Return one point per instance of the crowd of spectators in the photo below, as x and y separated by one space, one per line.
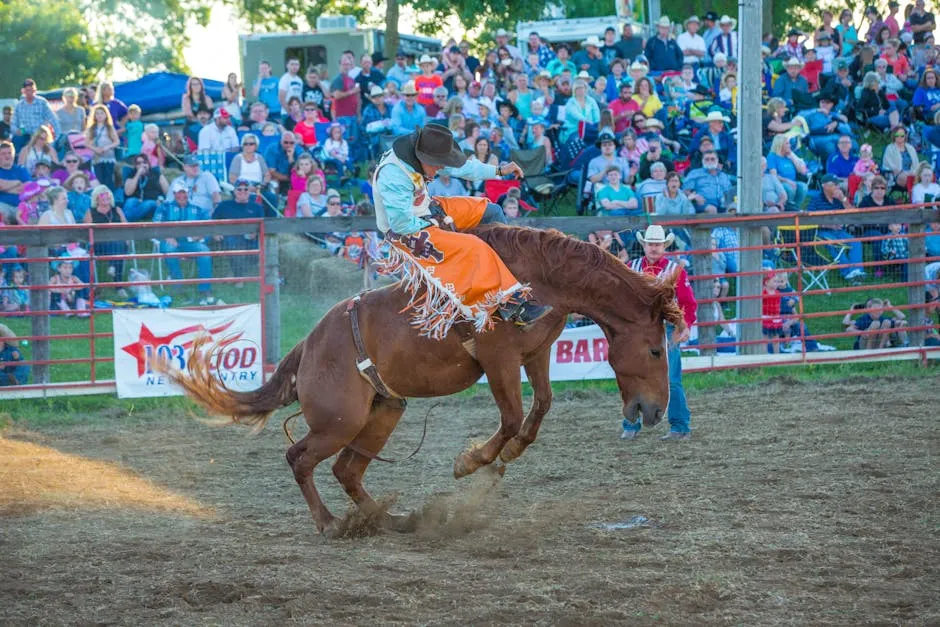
637 125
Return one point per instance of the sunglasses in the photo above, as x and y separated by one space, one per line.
333 203
250 144
71 161
287 143
242 188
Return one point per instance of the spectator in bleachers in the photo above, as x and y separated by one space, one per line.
597 167
143 190
101 138
722 142
397 73
580 109
826 126
926 189
673 201
653 154
134 131
562 62
832 198
630 45
922 22
842 162
38 148
336 149
219 136
369 75
32 203
408 114
312 203
873 105
31 112
645 96
240 207
294 114
14 298
793 47
537 137
654 185
71 117
290 85
10 356
202 188
306 128
345 93
78 186
785 163
280 159
623 109
847 33
691 43
727 40
792 87
12 179
58 212
773 194
926 100
708 185
6 130
447 186
662 51
900 160
104 211
116 108
615 199
250 166
265 88
179 209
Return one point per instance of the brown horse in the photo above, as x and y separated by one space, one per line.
347 416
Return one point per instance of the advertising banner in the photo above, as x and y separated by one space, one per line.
143 335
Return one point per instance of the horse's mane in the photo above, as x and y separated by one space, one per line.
553 258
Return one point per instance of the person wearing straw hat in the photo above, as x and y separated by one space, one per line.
791 84
691 43
655 241
722 141
464 278
408 115
428 81
10 373
589 57
727 40
662 50
501 37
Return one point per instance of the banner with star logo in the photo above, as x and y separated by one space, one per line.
141 336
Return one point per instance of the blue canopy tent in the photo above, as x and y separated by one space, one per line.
159 92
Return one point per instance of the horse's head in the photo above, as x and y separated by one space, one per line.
638 356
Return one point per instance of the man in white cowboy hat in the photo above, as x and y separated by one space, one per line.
791 84
691 43
721 139
465 279
727 40
407 115
501 37
662 50
589 57
655 241
10 373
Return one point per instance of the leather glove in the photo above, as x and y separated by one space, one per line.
440 217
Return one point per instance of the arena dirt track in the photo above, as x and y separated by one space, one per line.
793 504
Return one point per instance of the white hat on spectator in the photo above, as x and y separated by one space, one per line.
665 22
651 122
427 59
409 89
583 75
693 18
592 41
179 185
376 91
728 20
716 116
655 235
719 56
636 65
793 62
502 33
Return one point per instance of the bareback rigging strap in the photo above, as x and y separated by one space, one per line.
366 368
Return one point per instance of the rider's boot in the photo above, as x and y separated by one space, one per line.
522 312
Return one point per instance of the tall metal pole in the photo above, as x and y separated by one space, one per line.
749 170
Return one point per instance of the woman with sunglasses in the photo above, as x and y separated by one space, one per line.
900 160
71 163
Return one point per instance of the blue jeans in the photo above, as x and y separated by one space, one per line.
137 210
678 410
203 263
854 253
104 172
796 197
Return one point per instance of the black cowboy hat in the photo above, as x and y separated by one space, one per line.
514 111
435 145
701 90
605 136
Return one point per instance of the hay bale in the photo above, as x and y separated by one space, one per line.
295 253
333 279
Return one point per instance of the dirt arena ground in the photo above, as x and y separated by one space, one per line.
793 504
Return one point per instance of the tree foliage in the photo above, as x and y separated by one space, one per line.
48 41
294 14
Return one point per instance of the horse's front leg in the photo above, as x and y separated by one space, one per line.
506 386
536 370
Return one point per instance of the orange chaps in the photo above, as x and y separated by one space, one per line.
460 263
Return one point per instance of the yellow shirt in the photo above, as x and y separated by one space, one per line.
653 104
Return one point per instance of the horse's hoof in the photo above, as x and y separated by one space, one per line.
332 530
400 523
511 451
464 465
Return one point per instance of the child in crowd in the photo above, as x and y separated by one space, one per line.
895 246
10 372
771 319
102 138
312 203
78 187
336 149
511 208
14 297
865 167
32 203
64 293
875 318
134 129
304 167
150 146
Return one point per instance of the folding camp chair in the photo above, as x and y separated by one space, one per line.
215 163
815 257
545 189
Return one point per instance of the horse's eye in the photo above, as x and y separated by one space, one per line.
656 352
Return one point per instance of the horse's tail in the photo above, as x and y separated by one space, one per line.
245 408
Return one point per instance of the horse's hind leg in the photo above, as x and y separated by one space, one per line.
537 372
506 386
351 463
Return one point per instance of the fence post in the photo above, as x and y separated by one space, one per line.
916 271
272 300
701 265
39 301
751 286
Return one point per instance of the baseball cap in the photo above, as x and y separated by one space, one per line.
828 178
190 160
178 186
243 182
29 83
221 113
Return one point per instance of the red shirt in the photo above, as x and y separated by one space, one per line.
619 107
347 106
684 293
770 309
426 86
